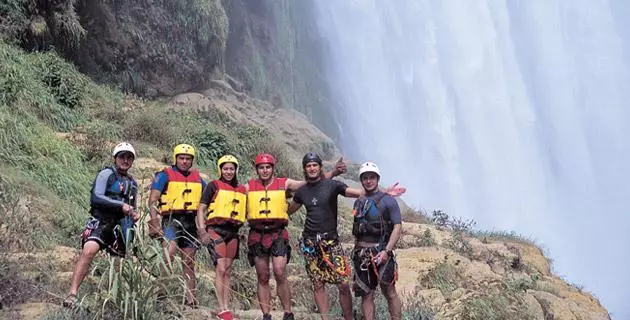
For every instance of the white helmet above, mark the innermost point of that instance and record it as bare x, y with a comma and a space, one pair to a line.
124, 146
369, 167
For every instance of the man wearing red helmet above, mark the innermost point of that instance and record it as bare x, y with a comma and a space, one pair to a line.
267, 217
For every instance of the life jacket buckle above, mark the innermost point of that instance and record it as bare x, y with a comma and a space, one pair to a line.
266, 199
185, 191
265, 212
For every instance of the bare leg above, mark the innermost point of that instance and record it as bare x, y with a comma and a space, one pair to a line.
189, 273
367, 304
321, 299
393, 301
283, 288
90, 249
264, 292
222, 282
345, 300
170, 248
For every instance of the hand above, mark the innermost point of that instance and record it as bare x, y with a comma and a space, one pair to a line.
155, 231
135, 215
381, 258
395, 191
340, 167
126, 208
204, 237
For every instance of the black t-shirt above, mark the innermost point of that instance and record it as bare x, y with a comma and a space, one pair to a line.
211, 189
208, 193
320, 200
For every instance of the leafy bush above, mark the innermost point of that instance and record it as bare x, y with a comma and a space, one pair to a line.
211, 145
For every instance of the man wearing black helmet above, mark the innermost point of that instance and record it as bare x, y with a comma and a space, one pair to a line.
325, 259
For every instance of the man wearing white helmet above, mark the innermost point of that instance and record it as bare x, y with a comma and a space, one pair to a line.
377, 227
112, 207
325, 259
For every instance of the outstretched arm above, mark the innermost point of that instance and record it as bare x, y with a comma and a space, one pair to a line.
340, 168
393, 190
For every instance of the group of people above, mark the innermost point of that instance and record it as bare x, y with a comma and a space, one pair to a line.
188, 212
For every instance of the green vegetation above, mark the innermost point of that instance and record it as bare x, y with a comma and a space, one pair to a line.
56, 131
497, 306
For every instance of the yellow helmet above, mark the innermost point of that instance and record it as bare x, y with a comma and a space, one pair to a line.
183, 149
225, 159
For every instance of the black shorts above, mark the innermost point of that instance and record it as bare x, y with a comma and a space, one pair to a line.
367, 275
181, 228
111, 235
265, 243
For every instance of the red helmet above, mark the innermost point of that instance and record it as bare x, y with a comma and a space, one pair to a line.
265, 158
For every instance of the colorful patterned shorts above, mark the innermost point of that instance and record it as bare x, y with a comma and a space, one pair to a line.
325, 261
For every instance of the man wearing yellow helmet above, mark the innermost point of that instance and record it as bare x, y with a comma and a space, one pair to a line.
112, 209
175, 195
220, 214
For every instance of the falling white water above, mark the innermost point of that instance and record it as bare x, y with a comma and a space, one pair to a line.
513, 113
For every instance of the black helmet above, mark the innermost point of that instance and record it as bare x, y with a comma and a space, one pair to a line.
311, 157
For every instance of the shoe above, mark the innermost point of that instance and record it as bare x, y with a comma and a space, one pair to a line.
288, 316
192, 304
70, 302
225, 315
266, 317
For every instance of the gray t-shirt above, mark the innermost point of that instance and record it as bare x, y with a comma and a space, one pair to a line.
320, 200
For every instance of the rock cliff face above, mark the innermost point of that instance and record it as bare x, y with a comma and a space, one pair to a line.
152, 48
163, 48
459, 276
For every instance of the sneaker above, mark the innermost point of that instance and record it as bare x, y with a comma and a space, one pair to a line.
225, 315
70, 302
288, 316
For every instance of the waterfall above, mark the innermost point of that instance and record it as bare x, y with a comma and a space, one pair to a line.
512, 113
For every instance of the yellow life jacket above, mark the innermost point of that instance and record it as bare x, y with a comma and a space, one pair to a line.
267, 205
182, 192
228, 204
